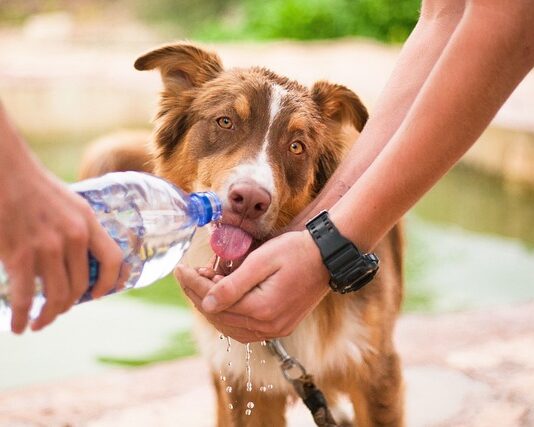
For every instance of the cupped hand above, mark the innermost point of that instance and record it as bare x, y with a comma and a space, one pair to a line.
277, 285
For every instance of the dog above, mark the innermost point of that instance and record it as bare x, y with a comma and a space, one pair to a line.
267, 145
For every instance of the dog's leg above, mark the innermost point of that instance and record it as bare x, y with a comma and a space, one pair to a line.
268, 408
378, 395
224, 414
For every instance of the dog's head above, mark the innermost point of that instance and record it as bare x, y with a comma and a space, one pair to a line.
265, 144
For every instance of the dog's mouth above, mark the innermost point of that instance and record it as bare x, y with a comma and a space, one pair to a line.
230, 243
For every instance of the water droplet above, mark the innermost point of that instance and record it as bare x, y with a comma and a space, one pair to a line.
221, 336
270, 386
263, 389
223, 378
228, 344
250, 405
229, 364
263, 343
228, 389
216, 261
248, 412
262, 361
248, 369
230, 406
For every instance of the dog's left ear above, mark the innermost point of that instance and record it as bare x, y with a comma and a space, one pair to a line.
339, 104
340, 107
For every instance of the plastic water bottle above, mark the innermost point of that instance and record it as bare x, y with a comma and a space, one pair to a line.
151, 220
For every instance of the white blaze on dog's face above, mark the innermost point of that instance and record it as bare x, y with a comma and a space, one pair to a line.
263, 143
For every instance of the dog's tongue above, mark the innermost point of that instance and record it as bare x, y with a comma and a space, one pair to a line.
229, 242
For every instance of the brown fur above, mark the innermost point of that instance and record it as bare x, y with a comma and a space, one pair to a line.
191, 150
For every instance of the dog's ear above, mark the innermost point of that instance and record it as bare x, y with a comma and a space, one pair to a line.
182, 66
341, 108
339, 104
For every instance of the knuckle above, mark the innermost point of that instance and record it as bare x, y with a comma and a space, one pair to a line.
51, 245
224, 292
84, 209
78, 233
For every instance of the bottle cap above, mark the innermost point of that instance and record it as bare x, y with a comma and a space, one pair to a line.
208, 207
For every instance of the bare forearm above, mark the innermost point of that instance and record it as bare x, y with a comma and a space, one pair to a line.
430, 36
488, 55
14, 154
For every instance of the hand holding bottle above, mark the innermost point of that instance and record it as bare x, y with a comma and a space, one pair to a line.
46, 231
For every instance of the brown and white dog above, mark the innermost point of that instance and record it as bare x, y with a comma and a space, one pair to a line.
266, 145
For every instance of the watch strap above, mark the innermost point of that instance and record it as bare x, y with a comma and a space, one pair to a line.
349, 268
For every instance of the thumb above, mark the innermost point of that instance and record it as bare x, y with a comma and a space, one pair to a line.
230, 289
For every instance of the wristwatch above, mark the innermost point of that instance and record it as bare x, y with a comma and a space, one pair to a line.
349, 268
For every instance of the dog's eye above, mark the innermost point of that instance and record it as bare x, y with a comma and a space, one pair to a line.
296, 147
225, 122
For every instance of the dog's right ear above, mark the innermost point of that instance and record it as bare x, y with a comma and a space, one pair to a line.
182, 66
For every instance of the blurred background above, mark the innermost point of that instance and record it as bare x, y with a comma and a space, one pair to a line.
66, 77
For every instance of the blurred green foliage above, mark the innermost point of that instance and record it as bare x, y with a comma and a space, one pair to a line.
180, 345
386, 20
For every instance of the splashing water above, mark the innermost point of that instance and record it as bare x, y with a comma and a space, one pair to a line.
248, 352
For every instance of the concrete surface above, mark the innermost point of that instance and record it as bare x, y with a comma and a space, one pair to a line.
472, 369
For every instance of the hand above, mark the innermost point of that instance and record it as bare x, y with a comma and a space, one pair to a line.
277, 285
46, 230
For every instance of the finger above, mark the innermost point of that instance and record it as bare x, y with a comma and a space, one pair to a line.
233, 287
109, 256
242, 322
207, 272
22, 289
52, 270
77, 265
241, 334
124, 275
189, 278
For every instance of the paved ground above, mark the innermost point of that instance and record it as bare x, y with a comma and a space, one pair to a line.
473, 369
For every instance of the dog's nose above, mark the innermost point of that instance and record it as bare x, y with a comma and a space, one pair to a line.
248, 199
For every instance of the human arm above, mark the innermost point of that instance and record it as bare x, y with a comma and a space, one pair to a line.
436, 24
46, 230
